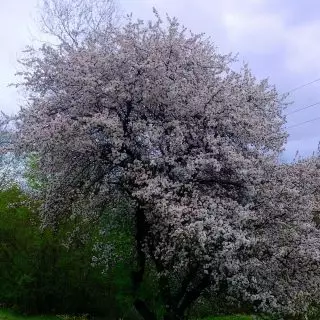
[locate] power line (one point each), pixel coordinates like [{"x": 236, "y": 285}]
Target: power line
[
  {"x": 306, "y": 107},
  {"x": 303, "y": 85},
  {"x": 301, "y": 123},
  {"x": 303, "y": 108}
]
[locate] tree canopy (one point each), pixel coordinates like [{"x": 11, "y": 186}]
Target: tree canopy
[{"x": 157, "y": 116}]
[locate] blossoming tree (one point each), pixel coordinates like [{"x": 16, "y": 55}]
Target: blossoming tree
[{"x": 156, "y": 115}]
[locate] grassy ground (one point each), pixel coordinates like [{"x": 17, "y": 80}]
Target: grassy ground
[
  {"x": 229, "y": 318},
  {"x": 8, "y": 315}
]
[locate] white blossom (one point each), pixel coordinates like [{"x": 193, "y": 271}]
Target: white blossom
[{"x": 158, "y": 116}]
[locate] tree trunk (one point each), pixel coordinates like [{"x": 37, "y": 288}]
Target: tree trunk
[
  {"x": 137, "y": 275},
  {"x": 175, "y": 305},
  {"x": 144, "y": 311},
  {"x": 171, "y": 315}
]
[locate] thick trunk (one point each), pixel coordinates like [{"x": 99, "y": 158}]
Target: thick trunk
[
  {"x": 176, "y": 305},
  {"x": 173, "y": 316},
  {"x": 180, "y": 303},
  {"x": 138, "y": 274},
  {"x": 144, "y": 311},
  {"x": 192, "y": 295}
]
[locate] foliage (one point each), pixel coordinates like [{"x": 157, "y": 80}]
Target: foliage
[
  {"x": 34, "y": 179},
  {"x": 17, "y": 245},
  {"x": 50, "y": 271},
  {"x": 10, "y": 166},
  {"x": 153, "y": 115}
]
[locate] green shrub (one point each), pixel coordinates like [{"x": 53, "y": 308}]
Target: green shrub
[{"x": 40, "y": 274}]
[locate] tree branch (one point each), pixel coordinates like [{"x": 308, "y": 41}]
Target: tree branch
[{"x": 192, "y": 295}]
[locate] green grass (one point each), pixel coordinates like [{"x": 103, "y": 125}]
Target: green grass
[
  {"x": 9, "y": 315},
  {"x": 229, "y": 318}
]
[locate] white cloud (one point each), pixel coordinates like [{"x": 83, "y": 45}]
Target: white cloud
[
  {"x": 15, "y": 34},
  {"x": 253, "y": 27},
  {"x": 254, "y": 32},
  {"x": 303, "y": 48}
]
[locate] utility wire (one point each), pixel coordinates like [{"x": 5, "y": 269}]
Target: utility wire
[
  {"x": 303, "y": 85},
  {"x": 301, "y": 123},
  {"x": 303, "y": 108}
]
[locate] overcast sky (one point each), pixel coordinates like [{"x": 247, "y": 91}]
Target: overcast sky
[{"x": 279, "y": 39}]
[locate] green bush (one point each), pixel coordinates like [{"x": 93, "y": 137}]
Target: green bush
[
  {"x": 19, "y": 245},
  {"x": 40, "y": 274}
]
